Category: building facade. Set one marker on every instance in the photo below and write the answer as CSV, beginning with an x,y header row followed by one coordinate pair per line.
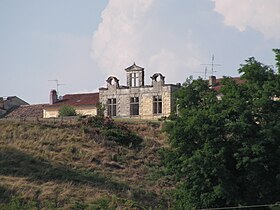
x,y
137,100
84,104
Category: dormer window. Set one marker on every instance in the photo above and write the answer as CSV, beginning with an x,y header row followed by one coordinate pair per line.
x,y
134,79
135,76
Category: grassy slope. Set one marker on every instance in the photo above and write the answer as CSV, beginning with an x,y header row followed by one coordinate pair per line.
x,y
71,166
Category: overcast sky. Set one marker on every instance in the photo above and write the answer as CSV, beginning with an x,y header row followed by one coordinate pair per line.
x,y
81,43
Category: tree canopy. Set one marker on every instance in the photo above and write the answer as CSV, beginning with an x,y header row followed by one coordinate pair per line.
x,y
227,152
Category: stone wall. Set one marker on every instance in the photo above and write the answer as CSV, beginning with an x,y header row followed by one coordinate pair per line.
x,y
145,95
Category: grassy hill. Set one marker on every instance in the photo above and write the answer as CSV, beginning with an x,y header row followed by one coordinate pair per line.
x,y
83,165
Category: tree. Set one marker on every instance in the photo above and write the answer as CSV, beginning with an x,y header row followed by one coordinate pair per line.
x,y
227,152
67,110
100,110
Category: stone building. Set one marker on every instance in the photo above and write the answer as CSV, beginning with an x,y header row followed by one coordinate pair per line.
x,y
137,100
8,104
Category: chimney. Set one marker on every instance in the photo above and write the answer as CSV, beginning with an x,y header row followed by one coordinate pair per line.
x,y
1,103
53,97
212,81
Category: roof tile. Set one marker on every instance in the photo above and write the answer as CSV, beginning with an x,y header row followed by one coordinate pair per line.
x,y
84,99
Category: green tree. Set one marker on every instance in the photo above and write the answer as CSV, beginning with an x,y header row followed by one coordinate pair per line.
x,y
67,110
227,152
100,110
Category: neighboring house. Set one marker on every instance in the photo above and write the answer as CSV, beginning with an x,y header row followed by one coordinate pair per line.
x,y
84,104
7,104
25,111
216,85
137,100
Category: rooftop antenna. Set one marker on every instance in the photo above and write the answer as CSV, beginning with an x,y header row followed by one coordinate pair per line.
x,y
57,84
212,64
205,72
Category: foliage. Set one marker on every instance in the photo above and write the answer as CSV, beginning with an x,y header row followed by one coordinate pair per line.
x,y
100,110
227,152
17,203
122,137
67,110
277,58
99,122
112,131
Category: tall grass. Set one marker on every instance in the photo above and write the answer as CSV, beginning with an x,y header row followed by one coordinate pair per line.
x,y
78,166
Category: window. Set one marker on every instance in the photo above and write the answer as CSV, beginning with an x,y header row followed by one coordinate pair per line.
x,y
134,79
134,106
157,104
112,107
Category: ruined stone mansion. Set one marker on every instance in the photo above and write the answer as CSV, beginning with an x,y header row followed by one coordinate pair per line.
x,y
135,99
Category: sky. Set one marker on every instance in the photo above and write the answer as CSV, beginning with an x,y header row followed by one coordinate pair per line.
x,y
82,43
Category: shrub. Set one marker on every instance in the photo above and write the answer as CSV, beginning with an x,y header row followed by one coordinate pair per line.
x,y
122,137
67,110
100,110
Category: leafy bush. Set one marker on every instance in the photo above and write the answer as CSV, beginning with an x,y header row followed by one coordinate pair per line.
x,y
102,203
17,203
67,111
111,130
121,136
100,110
97,122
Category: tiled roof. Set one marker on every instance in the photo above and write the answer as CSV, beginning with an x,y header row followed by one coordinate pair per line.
x,y
27,111
84,99
218,85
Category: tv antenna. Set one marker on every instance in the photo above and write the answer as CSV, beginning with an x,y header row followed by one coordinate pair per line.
x,y
212,64
57,84
204,72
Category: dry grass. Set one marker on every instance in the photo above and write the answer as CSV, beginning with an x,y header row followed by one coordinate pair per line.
x,y
70,164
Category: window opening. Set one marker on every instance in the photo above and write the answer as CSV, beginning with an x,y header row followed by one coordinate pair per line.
x,y
157,104
112,107
134,106
134,79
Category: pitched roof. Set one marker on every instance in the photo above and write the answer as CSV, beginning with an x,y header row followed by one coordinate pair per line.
x,y
8,98
134,67
26,111
217,86
83,99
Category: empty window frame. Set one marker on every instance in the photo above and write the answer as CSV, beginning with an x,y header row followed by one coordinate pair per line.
x,y
157,104
112,107
134,106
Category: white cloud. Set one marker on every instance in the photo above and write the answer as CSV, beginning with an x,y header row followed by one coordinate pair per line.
x,y
174,64
117,40
260,15
134,31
